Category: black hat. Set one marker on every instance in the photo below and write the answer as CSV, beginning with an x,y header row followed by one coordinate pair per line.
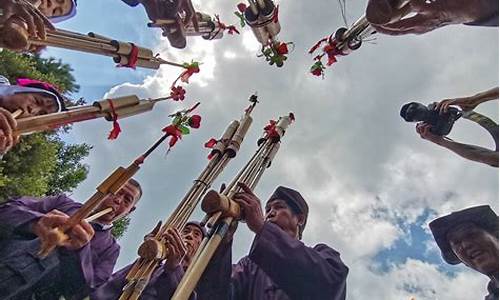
x,y
295,200
197,224
482,216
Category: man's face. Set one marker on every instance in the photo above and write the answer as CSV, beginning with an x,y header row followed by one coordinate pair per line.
x,y
122,203
192,237
32,104
55,8
279,213
475,247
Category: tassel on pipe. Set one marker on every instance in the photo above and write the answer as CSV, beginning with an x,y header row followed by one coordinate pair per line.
x,y
142,269
111,185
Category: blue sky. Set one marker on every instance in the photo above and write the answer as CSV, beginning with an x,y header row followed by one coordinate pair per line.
x,y
372,183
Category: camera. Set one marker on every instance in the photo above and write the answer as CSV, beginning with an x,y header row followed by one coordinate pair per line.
x,y
441,124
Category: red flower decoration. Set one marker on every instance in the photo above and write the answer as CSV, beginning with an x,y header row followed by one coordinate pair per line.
x,y
241,7
177,93
174,133
194,121
282,49
270,129
232,30
191,69
211,143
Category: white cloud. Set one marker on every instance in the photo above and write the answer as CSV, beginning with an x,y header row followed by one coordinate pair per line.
x,y
364,171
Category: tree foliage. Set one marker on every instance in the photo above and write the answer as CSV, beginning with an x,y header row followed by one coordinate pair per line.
x,y
120,226
43,163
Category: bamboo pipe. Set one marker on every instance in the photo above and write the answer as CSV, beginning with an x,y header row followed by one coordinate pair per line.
x,y
110,186
143,268
210,244
126,106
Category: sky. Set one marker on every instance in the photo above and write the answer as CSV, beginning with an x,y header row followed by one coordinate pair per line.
x,y
371,182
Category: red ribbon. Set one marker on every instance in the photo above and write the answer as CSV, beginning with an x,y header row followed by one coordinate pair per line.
x,y
113,134
174,133
270,129
132,58
211,144
230,29
316,46
275,15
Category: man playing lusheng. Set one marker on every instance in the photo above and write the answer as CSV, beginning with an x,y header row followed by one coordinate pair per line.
x,y
82,263
470,236
279,265
180,248
32,97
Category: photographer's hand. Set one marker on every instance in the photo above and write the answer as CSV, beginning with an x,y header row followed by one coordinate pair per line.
x,y
468,103
470,152
424,130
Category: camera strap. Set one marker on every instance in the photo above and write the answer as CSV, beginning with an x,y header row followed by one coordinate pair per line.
x,y
484,122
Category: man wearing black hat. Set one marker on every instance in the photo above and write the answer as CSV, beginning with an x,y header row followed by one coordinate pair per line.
x,y
470,236
279,265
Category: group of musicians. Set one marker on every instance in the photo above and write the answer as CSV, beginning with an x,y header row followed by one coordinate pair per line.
x,y
278,266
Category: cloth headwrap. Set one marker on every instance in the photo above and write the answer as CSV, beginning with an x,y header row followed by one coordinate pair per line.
x,y
197,224
47,87
16,89
69,15
294,200
482,216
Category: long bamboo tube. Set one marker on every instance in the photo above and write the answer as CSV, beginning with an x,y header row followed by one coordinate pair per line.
x,y
110,186
124,107
91,43
229,212
225,149
361,29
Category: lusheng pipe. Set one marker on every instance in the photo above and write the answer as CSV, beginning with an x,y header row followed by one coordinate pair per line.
x,y
124,107
153,251
110,186
222,210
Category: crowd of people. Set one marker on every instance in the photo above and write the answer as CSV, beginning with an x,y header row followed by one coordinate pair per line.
x,y
279,265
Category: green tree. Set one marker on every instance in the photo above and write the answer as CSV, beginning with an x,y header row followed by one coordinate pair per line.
x,y
41,164
120,226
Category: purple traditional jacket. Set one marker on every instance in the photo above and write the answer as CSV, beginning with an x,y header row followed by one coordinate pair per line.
x,y
162,285
278,267
97,258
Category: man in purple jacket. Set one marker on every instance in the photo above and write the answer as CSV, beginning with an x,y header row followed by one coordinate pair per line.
x,y
279,266
85,261
181,247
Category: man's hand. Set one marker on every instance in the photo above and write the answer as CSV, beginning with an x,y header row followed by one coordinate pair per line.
x,y
424,130
7,127
161,9
466,104
176,250
36,22
251,208
78,236
429,14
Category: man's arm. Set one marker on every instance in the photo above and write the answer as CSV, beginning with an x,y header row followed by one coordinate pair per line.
x,y
470,152
19,214
302,272
468,103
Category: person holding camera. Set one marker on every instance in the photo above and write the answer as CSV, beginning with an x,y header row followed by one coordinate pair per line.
x,y
437,121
